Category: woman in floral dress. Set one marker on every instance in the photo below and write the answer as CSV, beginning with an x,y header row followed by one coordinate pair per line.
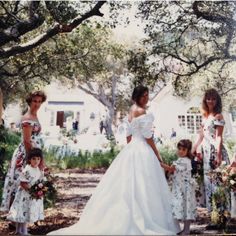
x,y
30,138
211,140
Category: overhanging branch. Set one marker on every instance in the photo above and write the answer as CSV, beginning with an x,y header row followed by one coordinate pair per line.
x,y
7,52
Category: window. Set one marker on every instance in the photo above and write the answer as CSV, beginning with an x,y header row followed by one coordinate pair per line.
x,y
191,122
181,121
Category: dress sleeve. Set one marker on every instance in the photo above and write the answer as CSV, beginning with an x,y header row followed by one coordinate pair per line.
x,y
180,166
26,123
146,124
25,175
127,128
219,122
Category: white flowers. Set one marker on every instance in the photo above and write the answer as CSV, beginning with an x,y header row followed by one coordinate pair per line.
x,y
232,182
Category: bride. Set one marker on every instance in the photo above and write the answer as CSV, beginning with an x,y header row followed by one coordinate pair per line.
x,y
133,197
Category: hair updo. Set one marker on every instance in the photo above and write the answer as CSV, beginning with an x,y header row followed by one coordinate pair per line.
x,y
138,92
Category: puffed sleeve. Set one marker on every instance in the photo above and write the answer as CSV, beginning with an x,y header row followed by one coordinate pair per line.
x,y
146,125
25,175
26,123
125,128
219,122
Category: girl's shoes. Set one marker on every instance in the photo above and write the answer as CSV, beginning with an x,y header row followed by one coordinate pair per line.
x,y
11,226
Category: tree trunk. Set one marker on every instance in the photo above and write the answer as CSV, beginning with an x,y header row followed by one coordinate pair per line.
x,y
1,105
109,121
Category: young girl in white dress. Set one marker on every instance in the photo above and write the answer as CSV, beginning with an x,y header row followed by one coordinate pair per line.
x,y
24,208
183,189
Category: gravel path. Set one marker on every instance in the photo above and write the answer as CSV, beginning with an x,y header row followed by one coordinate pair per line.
x,y
74,189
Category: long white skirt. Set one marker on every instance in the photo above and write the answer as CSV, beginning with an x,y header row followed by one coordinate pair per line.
x,y
132,198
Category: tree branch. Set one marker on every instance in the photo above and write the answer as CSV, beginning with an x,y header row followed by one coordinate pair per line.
x,y
13,33
95,95
4,53
211,17
4,72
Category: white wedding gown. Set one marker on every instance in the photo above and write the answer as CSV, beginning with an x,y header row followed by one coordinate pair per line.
x,y
133,197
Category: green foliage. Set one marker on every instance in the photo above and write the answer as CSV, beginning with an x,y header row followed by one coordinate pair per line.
x,y
168,154
61,11
192,44
220,202
8,143
231,147
140,65
51,194
81,160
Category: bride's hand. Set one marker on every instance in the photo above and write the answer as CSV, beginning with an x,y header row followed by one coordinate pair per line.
x,y
167,167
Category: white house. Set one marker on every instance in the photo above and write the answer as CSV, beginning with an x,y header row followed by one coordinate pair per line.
x,y
182,115
62,107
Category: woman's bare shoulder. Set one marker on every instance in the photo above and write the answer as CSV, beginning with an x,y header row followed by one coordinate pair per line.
x,y
135,111
27,117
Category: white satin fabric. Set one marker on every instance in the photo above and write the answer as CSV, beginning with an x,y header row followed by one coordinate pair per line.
x,y
133,197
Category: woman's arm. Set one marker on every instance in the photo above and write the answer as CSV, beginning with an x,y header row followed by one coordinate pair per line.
x,y
219,140
128,138
199,140
168,168
27,132
24,185
153,146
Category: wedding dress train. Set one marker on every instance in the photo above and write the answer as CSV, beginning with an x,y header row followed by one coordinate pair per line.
x,y
133,197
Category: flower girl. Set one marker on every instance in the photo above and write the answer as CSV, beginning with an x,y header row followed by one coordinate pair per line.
x,y
28,206
183,189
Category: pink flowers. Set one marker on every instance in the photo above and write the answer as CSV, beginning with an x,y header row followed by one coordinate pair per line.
x,y
39,189
40,194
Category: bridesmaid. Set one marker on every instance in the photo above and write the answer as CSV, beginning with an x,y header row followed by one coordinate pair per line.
x,y
30,138
211,140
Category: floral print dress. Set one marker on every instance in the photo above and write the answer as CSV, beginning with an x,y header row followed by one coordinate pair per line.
x,y
183,190
209,149
24,208
18,162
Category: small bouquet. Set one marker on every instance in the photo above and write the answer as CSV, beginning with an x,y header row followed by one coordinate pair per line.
x,y
39,189
197,167
232,181
220,199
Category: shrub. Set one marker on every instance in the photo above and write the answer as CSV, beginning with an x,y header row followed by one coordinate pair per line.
x,y
81,160
8,143
168,154
230,145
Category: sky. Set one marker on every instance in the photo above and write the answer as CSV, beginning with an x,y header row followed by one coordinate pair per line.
x,y
123,33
